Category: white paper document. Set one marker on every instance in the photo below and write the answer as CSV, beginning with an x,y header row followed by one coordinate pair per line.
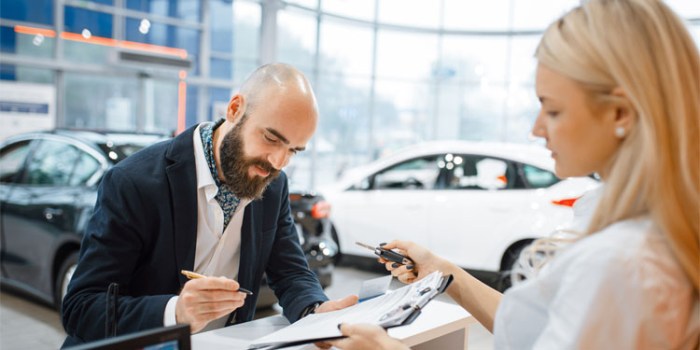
x,y
389,310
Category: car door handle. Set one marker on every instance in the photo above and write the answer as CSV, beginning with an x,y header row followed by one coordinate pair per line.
x,y
50,213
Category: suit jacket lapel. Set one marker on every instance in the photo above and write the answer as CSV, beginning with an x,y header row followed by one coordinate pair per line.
x,y
250,244
182,178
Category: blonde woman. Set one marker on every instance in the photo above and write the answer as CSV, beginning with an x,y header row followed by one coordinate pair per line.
x,y
619,85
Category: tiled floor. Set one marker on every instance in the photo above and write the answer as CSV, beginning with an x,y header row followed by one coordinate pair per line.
x,y
25,324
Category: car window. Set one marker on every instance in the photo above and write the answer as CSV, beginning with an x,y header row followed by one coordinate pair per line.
x,y
11,160
539,178
86,166
419,173
475,172
51,164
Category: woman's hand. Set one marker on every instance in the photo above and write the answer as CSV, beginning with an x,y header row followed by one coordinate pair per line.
x,y
365,336
425,262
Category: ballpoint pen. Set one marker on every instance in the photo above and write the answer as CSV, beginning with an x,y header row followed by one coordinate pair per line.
x,y
387,254
193,275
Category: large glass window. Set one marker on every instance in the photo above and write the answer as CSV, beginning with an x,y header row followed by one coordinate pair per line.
x,y
360,9
192,102
342,139
246,30
406,55
218,103
163,35
346,49
102,102
82,52
163,99
482,117
221,26
87,23
26,74
33,45
403,115
296,39
411,13
467,15
522,59
474,58
221,69
37,11
536,14
182,9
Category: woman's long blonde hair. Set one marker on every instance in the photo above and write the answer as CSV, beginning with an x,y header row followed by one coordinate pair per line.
x,y
644,48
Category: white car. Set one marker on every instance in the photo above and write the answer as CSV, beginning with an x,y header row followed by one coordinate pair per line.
x,y
476,204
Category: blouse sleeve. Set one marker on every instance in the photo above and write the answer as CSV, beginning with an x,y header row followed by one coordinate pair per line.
x,y
608,301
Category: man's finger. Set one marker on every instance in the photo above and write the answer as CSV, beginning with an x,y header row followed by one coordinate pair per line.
x,y
213,283
216,307
347,301
219,295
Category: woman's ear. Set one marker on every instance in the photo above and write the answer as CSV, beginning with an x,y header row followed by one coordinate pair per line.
x,y
625,114
236,108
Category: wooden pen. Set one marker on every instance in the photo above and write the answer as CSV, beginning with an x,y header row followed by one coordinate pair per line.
x,y
193,275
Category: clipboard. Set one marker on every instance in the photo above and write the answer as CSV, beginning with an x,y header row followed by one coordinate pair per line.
x,y
397,308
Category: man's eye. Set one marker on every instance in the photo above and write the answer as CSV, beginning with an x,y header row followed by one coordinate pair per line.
x,y
552,113
269,139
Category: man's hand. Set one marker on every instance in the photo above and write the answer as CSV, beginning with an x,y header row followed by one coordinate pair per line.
x,y
339,304
333,305
203,300
365,336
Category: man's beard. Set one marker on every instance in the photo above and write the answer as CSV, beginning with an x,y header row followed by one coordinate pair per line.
x,y
235,166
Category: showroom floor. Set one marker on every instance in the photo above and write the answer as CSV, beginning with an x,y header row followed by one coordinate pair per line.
x,y
25,324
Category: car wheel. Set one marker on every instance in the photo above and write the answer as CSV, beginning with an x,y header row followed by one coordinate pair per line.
x,y
510,270
338,257
65,273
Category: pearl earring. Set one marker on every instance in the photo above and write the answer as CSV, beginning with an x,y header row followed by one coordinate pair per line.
x,y
620,132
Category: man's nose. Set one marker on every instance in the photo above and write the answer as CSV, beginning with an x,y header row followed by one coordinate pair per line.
x,y
279,158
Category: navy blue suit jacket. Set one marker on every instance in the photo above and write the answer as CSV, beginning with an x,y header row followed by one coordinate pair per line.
x,y
144,230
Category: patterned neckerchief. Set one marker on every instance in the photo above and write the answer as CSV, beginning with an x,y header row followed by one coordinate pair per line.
x,y
226,199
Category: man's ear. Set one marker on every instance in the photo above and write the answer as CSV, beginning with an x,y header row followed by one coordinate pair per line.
x,y
625,113
236,108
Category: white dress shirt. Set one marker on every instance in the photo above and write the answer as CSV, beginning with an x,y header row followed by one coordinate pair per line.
x,y
620,288
217,250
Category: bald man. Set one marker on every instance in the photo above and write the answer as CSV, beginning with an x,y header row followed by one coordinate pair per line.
x,y
212,200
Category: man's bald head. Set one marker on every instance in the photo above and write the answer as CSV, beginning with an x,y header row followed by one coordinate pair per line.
x,y
276,80
270,119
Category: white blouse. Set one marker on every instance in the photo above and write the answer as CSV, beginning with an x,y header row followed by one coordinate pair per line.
x,y
620,288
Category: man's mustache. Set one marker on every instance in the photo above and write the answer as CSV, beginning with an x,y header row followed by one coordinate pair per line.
x,y
264,165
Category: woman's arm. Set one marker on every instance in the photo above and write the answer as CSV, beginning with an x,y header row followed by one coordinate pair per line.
x,y
474,296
